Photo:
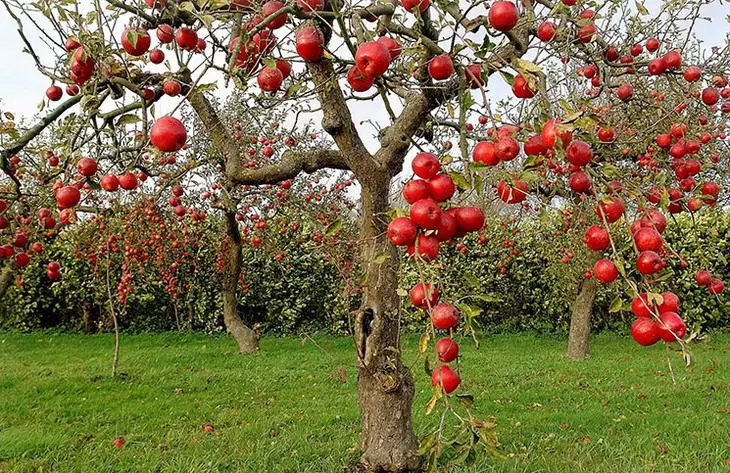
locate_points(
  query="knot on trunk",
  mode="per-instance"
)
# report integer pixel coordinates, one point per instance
(389, 381)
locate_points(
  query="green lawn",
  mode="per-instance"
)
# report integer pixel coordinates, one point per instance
(287, 410)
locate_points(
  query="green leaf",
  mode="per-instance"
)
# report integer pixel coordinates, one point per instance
(206, 87)
(610, 171)
(460, 180)
(334, 227)
(128, 119)
(616, 305)
(423, 343)
(642, 9)
(381, 257)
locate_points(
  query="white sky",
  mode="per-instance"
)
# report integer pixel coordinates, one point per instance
(22, 87)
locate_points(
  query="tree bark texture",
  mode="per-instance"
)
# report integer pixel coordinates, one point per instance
(580, 320)
(246, 338)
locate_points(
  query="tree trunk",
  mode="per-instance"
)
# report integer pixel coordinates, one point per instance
(246, 338)
(385, 386)
(580, 320)
(6, 280)
(88, 318)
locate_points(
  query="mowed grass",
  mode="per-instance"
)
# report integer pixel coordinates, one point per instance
(292, 408)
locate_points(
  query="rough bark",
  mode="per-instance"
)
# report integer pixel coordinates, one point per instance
(246, 338)
(385, 386)
(6, 280)
(580, 320)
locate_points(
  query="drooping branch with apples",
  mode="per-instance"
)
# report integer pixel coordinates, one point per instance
(644, 138)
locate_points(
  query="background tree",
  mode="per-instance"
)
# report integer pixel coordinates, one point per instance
(427, 70)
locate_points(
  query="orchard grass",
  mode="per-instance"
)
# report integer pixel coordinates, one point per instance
(292, 407)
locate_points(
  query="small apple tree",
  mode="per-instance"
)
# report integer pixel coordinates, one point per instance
(417, 67)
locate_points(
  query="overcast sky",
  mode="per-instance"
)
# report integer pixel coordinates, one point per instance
(22, 87)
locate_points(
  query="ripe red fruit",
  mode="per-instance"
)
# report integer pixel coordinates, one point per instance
(186, 38)
(534, 146)
(168, 134)
(579, 153)
(87, 167)
(109, 183)
(503, 15)
(606, 135)
(426, 213)
(645, 332)
(391, 45)
(652, 44)
(605, 271)
(656, 66)
(447, 227)
(484, 152)
(716, 287)
(710, 96)
(284, 66)
(703, 277)
(67, 197)
(165, 33)
(445, 377)
(671, 327)
(649, 262)
(416, 190)
(270, 79)
(625, 91)
(692, 74)
(611, 208)
(402, 232)
(521, 88)
(474, 76)
(427, 247)
(271, 7)
(546, 31)
(586, 32)
(441, 187)
(506, 148)
(469, 219)
(440, 67)
(21, 259)
(447, 350)
(372, 58)
(54, 93)
(311, 5)
(512, 194)
(426, 165)
(54, 267)
(648, 239)
(444, 316)
(673, 60)
(118, 442)
(71, 43)
(596, 238)
(424, 295)
(670, 303)
(171, 87)
(128, 181)
(136, 41)
(208, 427)
(579, 182)
(412, 5)
(309, 43)
(157, 56)
(357, 80)
(654, 219)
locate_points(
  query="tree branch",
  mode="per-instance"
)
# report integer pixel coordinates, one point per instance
(337, 120)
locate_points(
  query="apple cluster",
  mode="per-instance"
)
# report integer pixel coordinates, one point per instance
(422, 233)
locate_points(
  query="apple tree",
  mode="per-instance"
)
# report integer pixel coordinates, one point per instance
(414, 69)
